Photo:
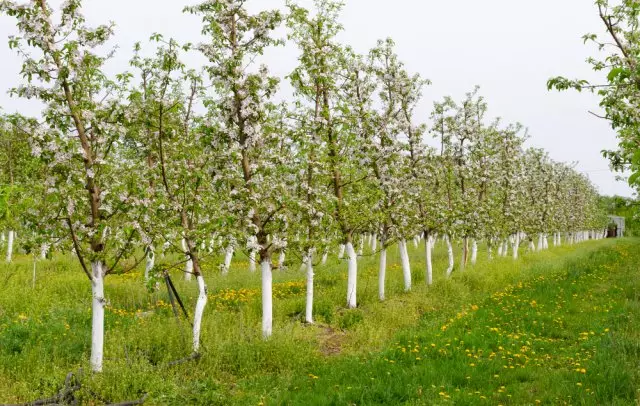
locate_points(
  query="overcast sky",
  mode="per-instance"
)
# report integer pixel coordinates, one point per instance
(509, 48)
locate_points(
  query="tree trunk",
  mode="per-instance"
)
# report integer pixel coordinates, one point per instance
(406, 268)
(516, 245)
(465, 253)
(374, 242)
(267, 297)
(341, 251)
(252, 261)
(228, 255)
(382, 273)
(10, 245)
(474, 252)
(427, 249)
(150, 262)
(97, 316)
(281, 258)
(449, 255)
(197, 315)
(352, 276)
(325, 254)
(188, 267)
(309, 304)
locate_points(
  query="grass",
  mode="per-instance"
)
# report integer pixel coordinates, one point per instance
(557, 327)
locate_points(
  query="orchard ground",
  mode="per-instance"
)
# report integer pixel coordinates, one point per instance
(555, 327)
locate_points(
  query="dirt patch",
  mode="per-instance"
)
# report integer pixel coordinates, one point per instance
(331, 340)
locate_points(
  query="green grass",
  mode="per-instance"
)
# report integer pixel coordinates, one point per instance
(557, 327)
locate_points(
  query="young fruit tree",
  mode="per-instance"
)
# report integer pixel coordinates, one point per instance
(249, 128)
(90, 188)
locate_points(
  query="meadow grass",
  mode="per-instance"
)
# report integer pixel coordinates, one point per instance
(555, 327)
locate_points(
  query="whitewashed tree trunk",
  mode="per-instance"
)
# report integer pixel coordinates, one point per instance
(415, 242)
(352, 276)
(500, 247)
(10, 238)
(228, 255)
(429, 265)
(303, 265)
(267, 298)
(406, 268)
(325, 254)
(474, 252)
(341, 251)
(516, 245)
(281, 258)
(97, 316)
(490, 249)
(197, 315)
(188, 268)
(309, 305)
(150, 262)
(382, 272)
(532, 246)
(361, 248)
(44, 249)
(545, 241)
(449, 255)
(374, 242)
(252, 261)
(540, 242)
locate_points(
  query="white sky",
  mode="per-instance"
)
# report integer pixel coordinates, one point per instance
(508, 47)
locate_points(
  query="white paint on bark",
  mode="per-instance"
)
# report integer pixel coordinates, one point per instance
(449, 255)
(267, 298)
(382, 272)
(427, 252)
(10, 238)
(309, 305)
(228, 255)
(352, 276)
(406, 268)
(197, 315)
(97, 316)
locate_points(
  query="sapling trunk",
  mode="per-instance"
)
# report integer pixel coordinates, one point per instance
(352, 276)
(309, 304)
(252, 261)
(474, 252)
(197, 315)
(150, 262)
(228, 255)
(188, 268)
(382, 272)
(267, 298)
(341, 251)
(427, 250)
(465, 253)
(97, 316)
(406, 268)
(303, 265)
(449, 255)
(516, 245)
(374, 242)
(10, 238)
(281, 258)
(325, 254)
